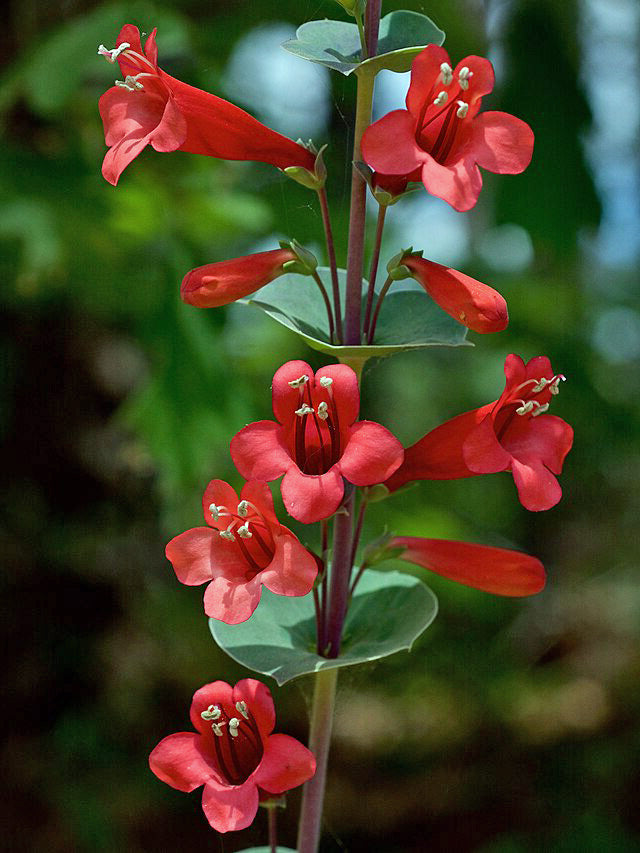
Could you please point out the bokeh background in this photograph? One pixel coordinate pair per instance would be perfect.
(513, 725)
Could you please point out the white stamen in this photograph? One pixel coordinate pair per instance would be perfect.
(442, 98)
(244, 532)
(228, 535)
(447, 73)
(304, 410)
(462, 110)
(463, 77)
(213, 712)
(326, 381)
(540, 385)
(217, 728)
(525, 408)
(241, 706)
(555, 383)
(323, 411)
(215, 512)
(243, 509)
(540, 410)
(234, 722)
(114, 53)
(299, 382)
(131, 84)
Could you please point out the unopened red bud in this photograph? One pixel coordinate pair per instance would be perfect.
(219, 284)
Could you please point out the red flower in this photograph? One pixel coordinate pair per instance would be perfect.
(507, 435)
(233, 754)
(244, 547)
(152, 108)
(495, 570)
(440, 139)
(472, 303)
(316, 441)
(219, 284)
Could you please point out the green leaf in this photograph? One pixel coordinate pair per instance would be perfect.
(388, 613)
(336, 44)
(409, 319)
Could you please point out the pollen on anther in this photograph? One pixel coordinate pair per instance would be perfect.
(326, 381)
(299, 382)
(228, 535)
(323, 411)
(447, 73)
(304, 410)
(243, 509)
(525, 408)
(540, 410)
(244, 532)
(215, 512)
(462, 110)
(463, 77)
(217, 729)
(234, 722)
(442, 98)
(241, 707)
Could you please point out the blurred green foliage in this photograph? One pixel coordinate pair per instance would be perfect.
(513, 726)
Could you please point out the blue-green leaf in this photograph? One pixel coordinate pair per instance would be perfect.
(388, 613)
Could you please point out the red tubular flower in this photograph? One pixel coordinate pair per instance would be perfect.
(472, 303)
(233, 754)
(440, 138)
(152, 108)
(244, 548)
(219, 284)
(316, 441)
(496, 570)
(510, 434)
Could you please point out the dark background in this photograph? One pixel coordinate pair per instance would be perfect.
(513, 725)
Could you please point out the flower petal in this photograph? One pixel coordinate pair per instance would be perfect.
(232, 601)
(292, 570)
(496, 570)
(177, 761)
(482, 451)
(230, 808)
(259, 701)
(286, 764)
(312, 497)
(425, 76)
(258, 452)
(172, 129)
(218, 284)
(346, 393)
(220, 493)
(389, 144)
(214, 693)
(458, 183)
(502, 143)
(372, 454)
(190, 555)
(285, 398)
(538, 489)
(547, 437)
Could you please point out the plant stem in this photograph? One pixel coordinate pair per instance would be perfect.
(373, 272)
(355, 257)
(358, 528)
(319, 741)
(331, 252)
(327, 303)
(372, 25)
(273, 829)
(374, 321)
(340, 572)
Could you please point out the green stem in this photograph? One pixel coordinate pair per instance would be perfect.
(355, 257)
(333, 266)
(324, 695)
(383, 293)
(327, 304)
(373, 272)
(340, 572)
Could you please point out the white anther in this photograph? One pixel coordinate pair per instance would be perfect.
(540, 385)
(462, 110)
(131, 84)
(441, 99)
(326, 381)
(234, 722)
(463, 77)
(299, 382)
(114, 53)
(447, 73)
(526, 408)
(215, 512)
(540, 410)
(241, 706)
(304, 410)
(243, 509)
(217, 728)
(323, 411)
(213, 712)
(228, 535)
(244, 532)
(555, 383)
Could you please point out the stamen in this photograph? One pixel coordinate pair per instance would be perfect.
(540, 410)
(447, 73)
(244, 531)
(323, 411)
(217, 728)
(326, 381)
(215, 511)
(234, 722)
(213, 712)
(442, 98)
(463, 77)
(298, 383)
(243, 509)
(241, 706)
(524, 409)
(304, 410)
(130, 84)
(462, 110)
(228, 535)
(114, 53)
(555, 383)
(540, 385)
